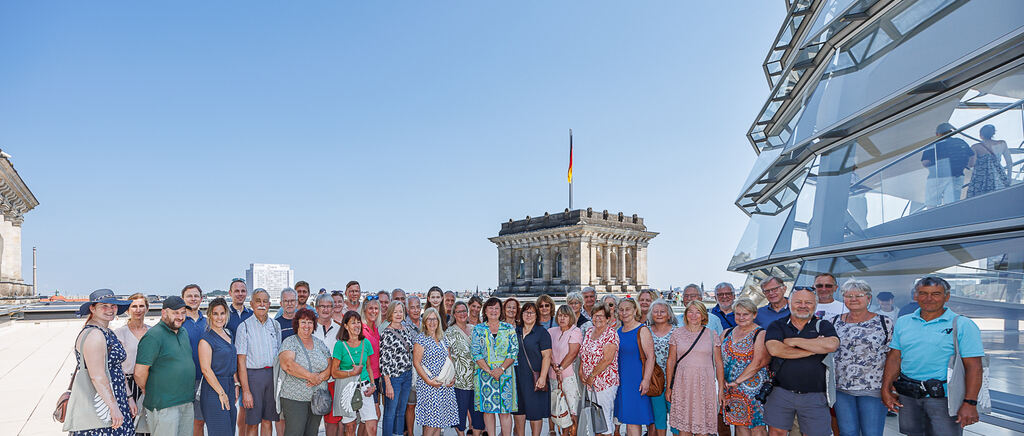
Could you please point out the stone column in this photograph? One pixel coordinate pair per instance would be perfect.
(549, 262)
(606, 273)
(10, 259)
(505, 277)
(622, 263)
(641, 264)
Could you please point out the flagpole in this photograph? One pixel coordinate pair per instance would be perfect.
(570, 169)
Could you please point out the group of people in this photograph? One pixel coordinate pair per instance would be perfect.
(805, 362)
(948, 158)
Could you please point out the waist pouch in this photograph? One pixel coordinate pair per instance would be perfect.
(919, 389)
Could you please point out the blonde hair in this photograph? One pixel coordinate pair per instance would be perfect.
(391, 310)
(567, 311)
(703, 310)
(139, 296)
(362, 312)
(437, 333)
(636, 307)
(746, 305)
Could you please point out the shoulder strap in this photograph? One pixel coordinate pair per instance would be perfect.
(956, 338)
(885, 328)
(728, 332)
(694, 344)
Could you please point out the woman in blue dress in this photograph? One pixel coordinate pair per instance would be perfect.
(219, 364)
(107, 376)
(435, 402)
(632, 407)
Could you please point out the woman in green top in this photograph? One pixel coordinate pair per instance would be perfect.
(351, 357)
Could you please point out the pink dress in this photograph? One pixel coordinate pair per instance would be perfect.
(694, 406)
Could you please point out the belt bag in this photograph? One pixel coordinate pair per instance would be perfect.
(919, 389)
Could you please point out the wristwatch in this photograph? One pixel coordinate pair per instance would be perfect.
(971, 402)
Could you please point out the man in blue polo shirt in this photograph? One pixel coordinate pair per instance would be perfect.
(237, 312)
(285, 315)
(778, 306)
(195, 325)
(914, 381)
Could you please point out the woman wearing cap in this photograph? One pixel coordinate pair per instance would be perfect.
(129, 335)
(103, 355)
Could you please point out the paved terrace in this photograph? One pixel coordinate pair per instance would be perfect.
(36, 362)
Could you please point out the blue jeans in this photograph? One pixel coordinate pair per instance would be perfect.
(394, 409)
(860, 416)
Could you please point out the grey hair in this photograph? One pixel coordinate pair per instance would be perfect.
(289, 291)
(661, 302)
(857, 285)
(574, 296)
(770, 278)
(323, 297)
(725, 285)
(745, 304)
(396, 290)
(691, 285)
(260, 291)
(932, 281)
(614, 298)
(588, 289)
(409, 298)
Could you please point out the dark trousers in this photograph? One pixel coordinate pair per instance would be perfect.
(299, 418)
(927, 416)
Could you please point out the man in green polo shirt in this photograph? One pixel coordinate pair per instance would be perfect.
(164, 370)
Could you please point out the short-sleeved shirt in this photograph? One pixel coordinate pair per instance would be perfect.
(860, 359)
(396, 351)
(195, 328)
(830, 310)
(592, 352)
(171, 370)
(315, 360)
(371, 334)
(350, 356)
(949, 157)
(286, 326)
(766, 315)
(727, 320)
(531, 346)
(260, 342)
(131, 347)
(328, 335)
(806, 374)
(560, 346)
(235, 317)
(926, 346)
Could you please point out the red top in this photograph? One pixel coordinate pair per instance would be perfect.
(372, 335)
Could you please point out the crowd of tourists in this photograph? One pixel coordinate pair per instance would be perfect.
(349, 362)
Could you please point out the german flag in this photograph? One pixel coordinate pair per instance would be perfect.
(570, 156)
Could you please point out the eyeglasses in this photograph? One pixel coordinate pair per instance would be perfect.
(777, 288)
(824, 285)
(802, 288)
(852, 296)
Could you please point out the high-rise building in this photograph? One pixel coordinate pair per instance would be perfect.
(563, 252)
(890, 148)
(269, 276)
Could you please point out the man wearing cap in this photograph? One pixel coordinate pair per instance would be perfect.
(195, 325)
(946, 160)
(237, 312)
(164, 369)
(257, 343)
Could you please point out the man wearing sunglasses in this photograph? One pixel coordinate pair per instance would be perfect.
(825, 285)
(778, 306)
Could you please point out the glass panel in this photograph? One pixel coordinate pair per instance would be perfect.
(905, 178)
(986, 279)
(852, 84)
(828, 12)
(764, 160)
(758, 238)
(913, 16)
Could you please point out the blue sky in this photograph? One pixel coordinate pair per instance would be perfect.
(177, 142)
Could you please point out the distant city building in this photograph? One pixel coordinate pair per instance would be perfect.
(270, 276)
(15, 201)
(564, 252)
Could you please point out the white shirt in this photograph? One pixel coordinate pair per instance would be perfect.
(827, 311)
(330, 336)
(131, 347)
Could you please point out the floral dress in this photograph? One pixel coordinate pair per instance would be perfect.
(461, 357)
(591, 353)
(490, 395)
(988, 175)
(115, 355)
(741, 408)
(860, 358)
(437, 408)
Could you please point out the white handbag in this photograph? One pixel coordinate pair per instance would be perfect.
(447, 373)
(956, 384)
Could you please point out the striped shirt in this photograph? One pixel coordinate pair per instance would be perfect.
(259, 342)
